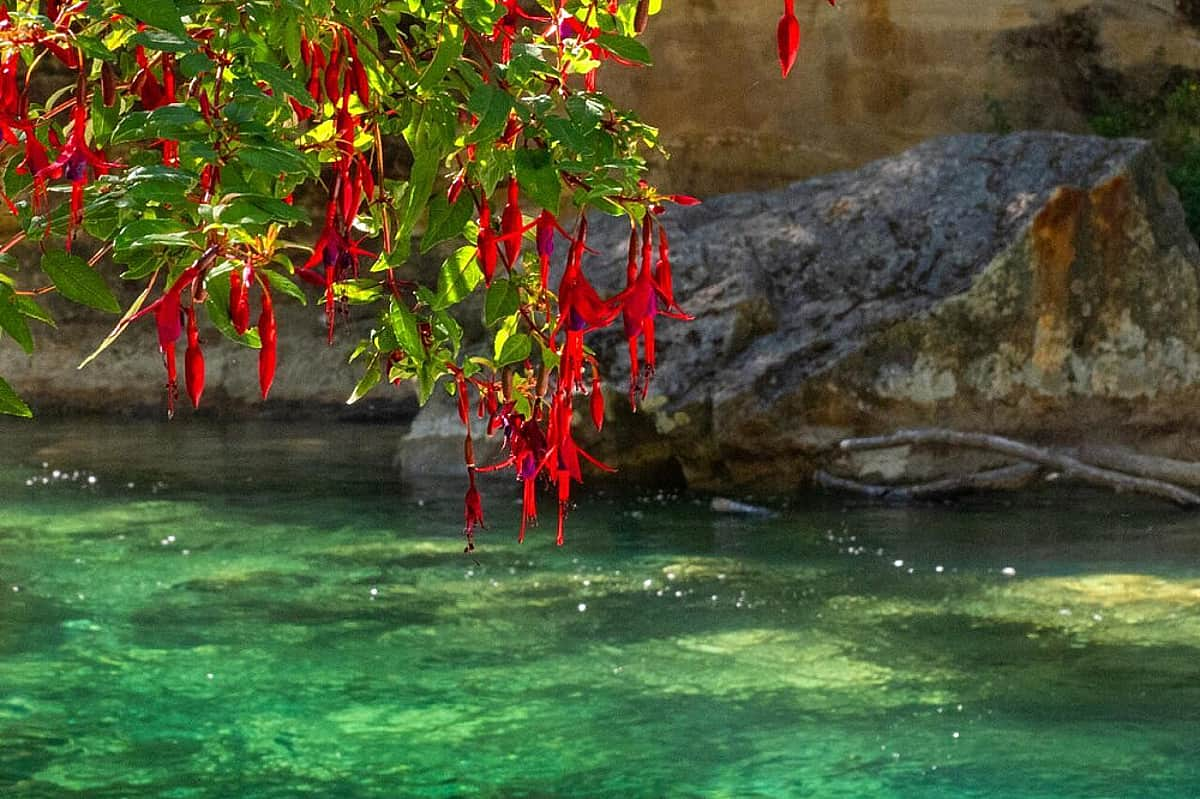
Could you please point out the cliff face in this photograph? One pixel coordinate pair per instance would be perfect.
(875, 77)
(1040, 285)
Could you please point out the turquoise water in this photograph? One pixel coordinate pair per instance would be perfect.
(263, 611)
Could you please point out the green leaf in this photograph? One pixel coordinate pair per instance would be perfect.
(11, 404)
(404, 328)
(607, 206)
(625, 47)
(538, 177)
(194, 64)
(501, 302)
(516, 348)
(12, 321)
(174, 121)
(427, 145)
(491, 106)
(163, 40)
(358, 291)
(493, 166)
(575, 137)
(258, 210)
(550, 358)
(77, 281)
(151, 233)
(283, 81)
(585, 109)
(283, 285)
(427, 377)
(104, 118)
(159, 13)
(449, 49)
(141, 263)
(274, 159)
(29, 308)
(447, 329)
(368, 381)
(458, 277)
(159, 184)
(446, 221)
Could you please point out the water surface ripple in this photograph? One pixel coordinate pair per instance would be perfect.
(262, 610)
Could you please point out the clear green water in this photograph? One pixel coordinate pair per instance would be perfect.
(313, 629)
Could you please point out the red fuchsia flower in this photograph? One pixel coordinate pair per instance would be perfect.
(488, 242)
(357, 75)
(664, 283)
(580, 310)
(334, 256)
(472, 504)
(150, 90)
(77, 163)
(472, 511)
(546, 225)
(505, 29)
(565, 454)
(12, 100)
(528, 446)
(316, 66)
(570, 28)
(647, 295)
(333, 71)
(168, 318)
(528, 454)
(35, 163)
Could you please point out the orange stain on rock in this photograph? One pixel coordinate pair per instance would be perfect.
(1111, 204)
(1055, 231)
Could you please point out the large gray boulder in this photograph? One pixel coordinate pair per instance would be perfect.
(1038, 284)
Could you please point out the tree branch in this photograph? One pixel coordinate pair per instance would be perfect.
(1007, 477)
(1069, 466)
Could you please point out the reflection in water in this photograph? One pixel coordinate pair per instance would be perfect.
(262, 612)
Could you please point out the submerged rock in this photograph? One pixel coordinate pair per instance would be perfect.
(1039, 285)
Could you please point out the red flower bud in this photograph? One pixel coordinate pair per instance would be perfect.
(266, 335)
(511, 223)
(787, 37)
(641, 16)
(193, 360)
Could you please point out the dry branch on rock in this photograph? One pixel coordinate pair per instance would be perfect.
(1122, 471)
(1005, 478)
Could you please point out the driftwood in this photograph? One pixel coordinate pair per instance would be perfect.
(1181, 473)
(1121, 471)
(1008, 477)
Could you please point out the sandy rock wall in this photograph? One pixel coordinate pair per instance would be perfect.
(875, 77)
